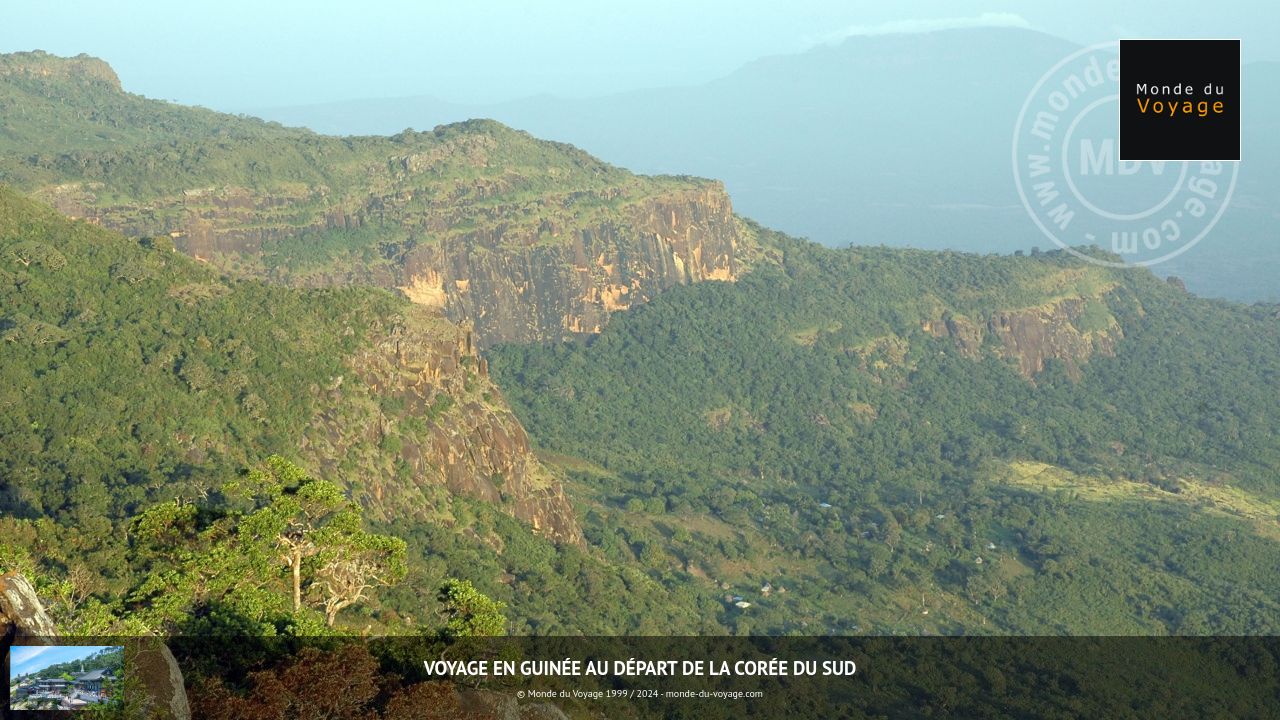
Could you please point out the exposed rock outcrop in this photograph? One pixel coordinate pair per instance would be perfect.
(526, 253)
(967, 334)
(43, 66)
(159, 679)
(1058, 330)
(516, 287)
(1055, 332)
(516, 281)
(22, 616)
(438, 422)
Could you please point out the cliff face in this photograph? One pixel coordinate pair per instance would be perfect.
(419, 404)
(528, 270)
(517, 287)
(41, 66)
(1069, 330)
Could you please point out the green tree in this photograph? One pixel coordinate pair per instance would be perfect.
(312, 523)
(467, 612)
(229, 559)
(300, 510)
(354, 562)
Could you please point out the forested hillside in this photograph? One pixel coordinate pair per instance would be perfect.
(852, 441)
(136, 381)
(931, 442)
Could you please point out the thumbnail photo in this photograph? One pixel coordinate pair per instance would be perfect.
(63, 677)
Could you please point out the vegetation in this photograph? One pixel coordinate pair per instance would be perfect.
(863, 440)
(321, 209)
(126, 402)
(220, 560)
(800, 430)
(794, 439)
(854, 441)
(127, 367)
(111, 658)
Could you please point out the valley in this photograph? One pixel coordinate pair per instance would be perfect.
(606, 402)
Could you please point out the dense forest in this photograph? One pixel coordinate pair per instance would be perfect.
(810, 428)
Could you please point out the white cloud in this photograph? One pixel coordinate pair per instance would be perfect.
(921, 25)
(21, 654)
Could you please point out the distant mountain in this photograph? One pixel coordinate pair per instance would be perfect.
(1238, 260)
(896, 139)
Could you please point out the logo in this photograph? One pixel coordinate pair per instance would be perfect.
(1071, 180)
(1180, 99)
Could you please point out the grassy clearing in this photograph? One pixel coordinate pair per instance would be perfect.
(1262, 513)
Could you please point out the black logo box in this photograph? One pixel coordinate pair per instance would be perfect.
(1185, 67)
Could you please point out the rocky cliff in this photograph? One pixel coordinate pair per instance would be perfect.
(420, 406)
(43, 67)
(528, 240)
(564, 277)
(516, 282)
(519, 268)
(192, 370)
(1068, 330)
(22, 616)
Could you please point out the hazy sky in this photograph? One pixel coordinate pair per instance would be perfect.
(241, 54)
